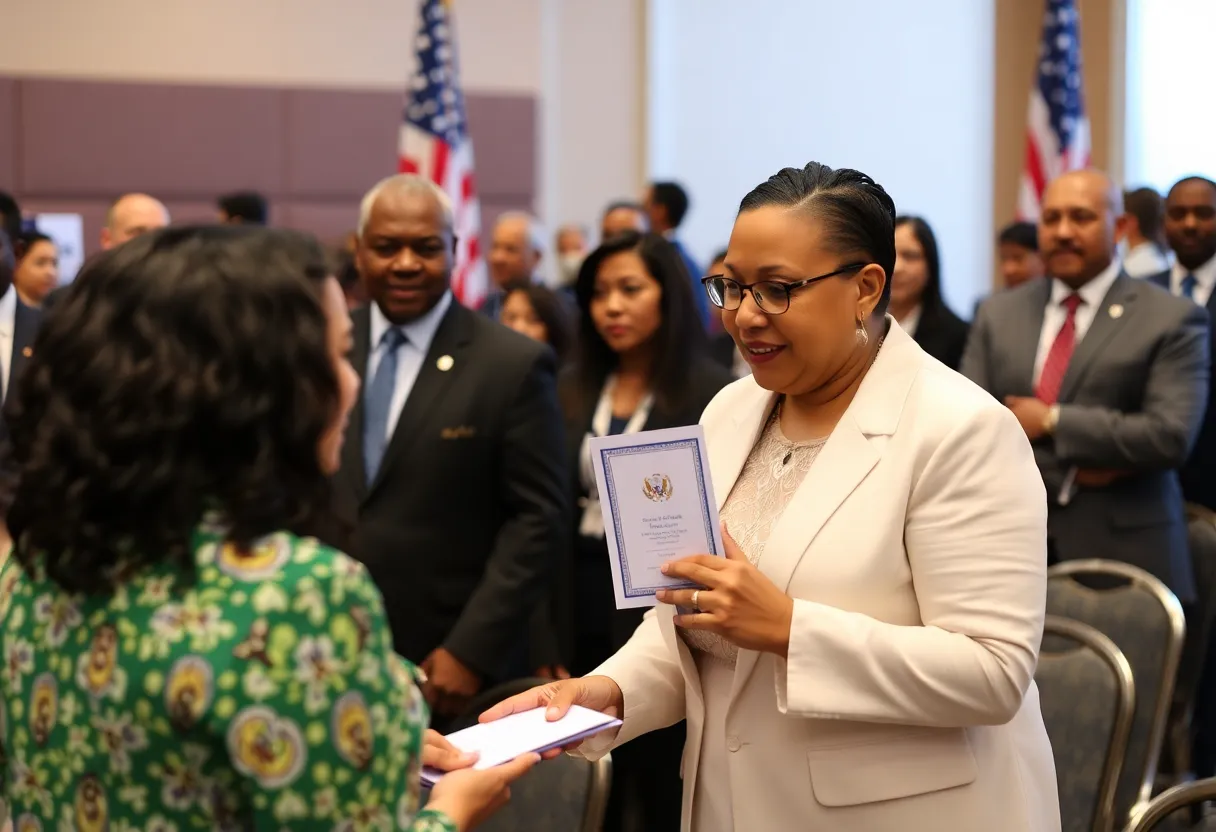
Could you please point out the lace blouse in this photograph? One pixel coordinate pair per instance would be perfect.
(773, 471)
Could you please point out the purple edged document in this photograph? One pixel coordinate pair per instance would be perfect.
(658, 505)
(505, 739)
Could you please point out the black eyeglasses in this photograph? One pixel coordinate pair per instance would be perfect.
(772, 296)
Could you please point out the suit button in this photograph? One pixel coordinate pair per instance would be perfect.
(732, 743)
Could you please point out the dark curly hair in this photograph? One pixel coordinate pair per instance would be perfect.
(186, 370)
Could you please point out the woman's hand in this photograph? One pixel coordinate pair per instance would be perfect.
(738, 602)
(440, 754)
(469, 796)
(598, 693)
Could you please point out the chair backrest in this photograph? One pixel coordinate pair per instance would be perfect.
(1201, 537)
(1145, 621)
(1088, 697)
(1148, 816)
(565, 794)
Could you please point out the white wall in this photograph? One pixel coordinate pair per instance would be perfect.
(350, 43)
(901, 91)
(593, 121)
(1169, 122)
(582, 58)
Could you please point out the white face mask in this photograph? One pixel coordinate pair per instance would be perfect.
(567, 268)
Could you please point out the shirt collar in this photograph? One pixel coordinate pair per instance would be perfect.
(1093, 292)
(8, 311)
(1205, 275)
(419, 332)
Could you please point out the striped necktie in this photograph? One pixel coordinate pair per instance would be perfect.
(1052, 376)
(378, 401)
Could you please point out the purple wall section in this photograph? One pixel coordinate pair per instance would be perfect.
(8, 132)
(74, 146)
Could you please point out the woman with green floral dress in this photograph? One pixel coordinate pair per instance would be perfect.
(173, 657)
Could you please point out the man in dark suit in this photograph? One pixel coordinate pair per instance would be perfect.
(453, 470)
(18, 326)
(1109, 377)
(666, 205)
(1190, 229)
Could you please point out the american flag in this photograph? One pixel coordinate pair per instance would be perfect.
(1057, 136)
(435, 142)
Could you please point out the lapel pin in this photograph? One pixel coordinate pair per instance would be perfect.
(445, 363)
(1116, 310)
(27, 351)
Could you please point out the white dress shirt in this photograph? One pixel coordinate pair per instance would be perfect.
(1205, 281)
(419, 334)
(1092, 294)
(1145, 260)
(8, 325)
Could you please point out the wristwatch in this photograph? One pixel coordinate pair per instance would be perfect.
(1051, 419)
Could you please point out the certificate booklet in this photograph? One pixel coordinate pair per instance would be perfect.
(658, 505)
(505, 739)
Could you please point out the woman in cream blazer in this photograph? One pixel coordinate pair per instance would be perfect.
(863, 659)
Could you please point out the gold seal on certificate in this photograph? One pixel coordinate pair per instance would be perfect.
(658, 505)
(657, 488)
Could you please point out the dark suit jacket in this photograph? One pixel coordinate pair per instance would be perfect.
(1199, 474)
(469, 509)
(26, 323)
(694, 275)
(942, 334)
(1132, 399)
(54, 297)
(705, 379)
(722, 350)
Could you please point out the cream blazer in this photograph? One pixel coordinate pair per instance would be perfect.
(915, 551)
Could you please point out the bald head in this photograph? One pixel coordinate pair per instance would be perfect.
(130, 216)
(516, 246)
(1081, 219)
(1094, 181)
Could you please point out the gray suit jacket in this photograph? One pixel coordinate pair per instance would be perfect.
(1133, 399)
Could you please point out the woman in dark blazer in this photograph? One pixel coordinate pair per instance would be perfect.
(641, 364)
(916, 294)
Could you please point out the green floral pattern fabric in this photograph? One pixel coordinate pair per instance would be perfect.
(263, 694)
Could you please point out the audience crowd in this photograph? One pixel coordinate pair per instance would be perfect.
(461, 484)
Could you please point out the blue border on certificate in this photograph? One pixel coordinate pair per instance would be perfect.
(606, 454)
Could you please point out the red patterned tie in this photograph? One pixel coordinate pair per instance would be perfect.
(1056, 365)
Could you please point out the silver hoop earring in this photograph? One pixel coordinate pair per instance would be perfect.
(863, 337)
